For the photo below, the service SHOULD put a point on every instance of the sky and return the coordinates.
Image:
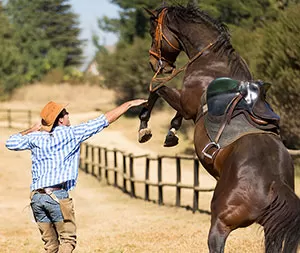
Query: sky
(89, 11)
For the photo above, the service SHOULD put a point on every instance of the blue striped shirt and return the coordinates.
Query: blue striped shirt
(55, 155)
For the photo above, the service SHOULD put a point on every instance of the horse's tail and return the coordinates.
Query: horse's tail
(281, 220)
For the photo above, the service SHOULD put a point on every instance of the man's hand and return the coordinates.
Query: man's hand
(114, 114)
(34, 128)
(137, 102)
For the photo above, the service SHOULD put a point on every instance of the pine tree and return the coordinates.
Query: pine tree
(133, 21)
(46, 32)
(281, 65)
(10, 63)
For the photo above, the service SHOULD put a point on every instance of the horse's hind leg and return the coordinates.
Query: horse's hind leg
(145, 132)
(218, 234)
(233, 206)
(171, 138)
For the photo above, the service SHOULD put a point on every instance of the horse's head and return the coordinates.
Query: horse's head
(165, 45)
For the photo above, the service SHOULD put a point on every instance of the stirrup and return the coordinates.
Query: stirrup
(209, 146)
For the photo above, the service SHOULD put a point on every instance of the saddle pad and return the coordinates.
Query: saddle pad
(238, 127)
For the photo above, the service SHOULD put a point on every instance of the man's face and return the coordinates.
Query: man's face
(66, 120)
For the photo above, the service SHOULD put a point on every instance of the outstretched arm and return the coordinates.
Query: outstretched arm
(35, 127)
(114, 114)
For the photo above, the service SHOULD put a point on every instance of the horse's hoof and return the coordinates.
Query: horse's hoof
(171, 140)
(144, 135)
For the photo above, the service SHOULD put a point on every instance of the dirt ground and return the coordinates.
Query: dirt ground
(108, 220)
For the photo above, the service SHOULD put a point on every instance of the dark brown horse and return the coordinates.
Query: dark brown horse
(254, 172)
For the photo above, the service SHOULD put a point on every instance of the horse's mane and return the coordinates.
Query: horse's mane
(222, 46)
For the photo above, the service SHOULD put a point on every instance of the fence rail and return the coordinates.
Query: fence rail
(99, 161)
(12, 118)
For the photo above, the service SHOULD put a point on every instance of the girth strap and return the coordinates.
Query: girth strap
(214, 145)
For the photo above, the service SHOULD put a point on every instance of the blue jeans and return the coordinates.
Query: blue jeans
(45, 208)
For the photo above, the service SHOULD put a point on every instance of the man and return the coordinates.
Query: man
(55, 149)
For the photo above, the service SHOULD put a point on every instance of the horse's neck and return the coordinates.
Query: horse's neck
(215, 64)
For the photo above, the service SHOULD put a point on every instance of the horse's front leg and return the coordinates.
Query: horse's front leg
(172, 97)
(145, 132)
(172, 138)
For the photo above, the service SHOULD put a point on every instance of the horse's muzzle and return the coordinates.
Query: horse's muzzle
(165, 67)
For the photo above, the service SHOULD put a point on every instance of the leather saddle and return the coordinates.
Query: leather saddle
(240, 104)
(222, 92)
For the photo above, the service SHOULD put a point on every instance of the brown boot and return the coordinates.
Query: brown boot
(67, 235)
(49, 237)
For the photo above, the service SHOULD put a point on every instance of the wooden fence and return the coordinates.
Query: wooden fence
(17, 118)
(100, 161)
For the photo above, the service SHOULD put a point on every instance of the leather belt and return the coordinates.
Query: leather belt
(49, 190)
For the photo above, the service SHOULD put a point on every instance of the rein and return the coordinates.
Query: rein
(163, 80)
(159, 36)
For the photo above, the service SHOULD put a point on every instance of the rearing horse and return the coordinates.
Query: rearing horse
(196, 31)
(254, 172)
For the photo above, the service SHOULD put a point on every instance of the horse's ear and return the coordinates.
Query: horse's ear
(151, 13)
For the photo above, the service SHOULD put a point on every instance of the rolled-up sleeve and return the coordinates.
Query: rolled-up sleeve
(88, 129)
(18, 142)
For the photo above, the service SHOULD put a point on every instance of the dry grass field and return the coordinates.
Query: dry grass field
(108, 220)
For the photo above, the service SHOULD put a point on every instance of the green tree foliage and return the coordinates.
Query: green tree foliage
(133, 19)
(280, 64)
(125, 71)
(245, 13)
(46, 32)
(10, 63)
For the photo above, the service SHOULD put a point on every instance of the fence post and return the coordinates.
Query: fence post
(99, 163)
(106, 165)
(86, 158)
(159, 177)
(196, 184)
(124, 174)
(115, 168)
(178, 181)
(131, 175)
(93, 160)
(9, 117)
(147, 179)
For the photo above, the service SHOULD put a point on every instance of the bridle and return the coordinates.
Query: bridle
(159, 37)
